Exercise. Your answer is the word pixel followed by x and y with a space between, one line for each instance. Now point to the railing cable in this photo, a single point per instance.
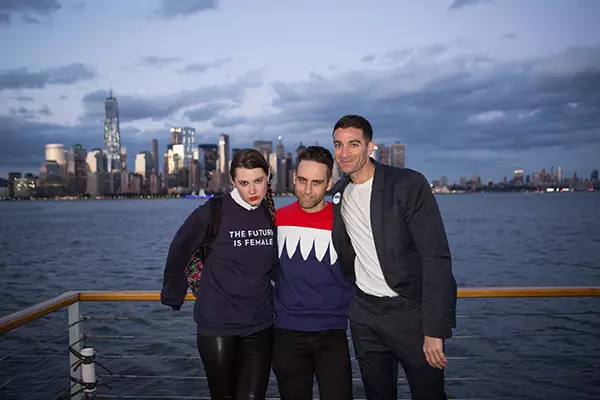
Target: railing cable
pixel 38 385
pixel 24 372
pixel 109 396
pixel 455 337
pixel 548 314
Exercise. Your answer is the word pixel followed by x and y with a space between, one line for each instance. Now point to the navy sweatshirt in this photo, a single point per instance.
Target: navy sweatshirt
pixel 235 291
pixel 311 293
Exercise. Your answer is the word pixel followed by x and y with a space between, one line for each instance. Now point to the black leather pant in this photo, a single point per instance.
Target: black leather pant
pixel 237 367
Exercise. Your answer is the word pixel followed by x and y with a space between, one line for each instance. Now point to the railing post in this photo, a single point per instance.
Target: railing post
pixel 75 336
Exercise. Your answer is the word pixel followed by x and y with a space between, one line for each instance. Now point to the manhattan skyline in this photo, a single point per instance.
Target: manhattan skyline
pixel 471 87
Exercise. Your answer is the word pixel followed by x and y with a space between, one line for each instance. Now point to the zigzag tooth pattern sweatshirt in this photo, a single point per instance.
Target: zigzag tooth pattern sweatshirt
pixel 311 293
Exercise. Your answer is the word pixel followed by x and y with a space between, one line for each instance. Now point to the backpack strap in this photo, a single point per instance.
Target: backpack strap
pixel 212 229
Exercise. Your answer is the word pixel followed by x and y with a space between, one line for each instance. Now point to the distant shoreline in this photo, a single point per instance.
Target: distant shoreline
pixel 118 197
pixel 172 197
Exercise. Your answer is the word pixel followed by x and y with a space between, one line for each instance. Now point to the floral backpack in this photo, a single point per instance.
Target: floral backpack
pixel 193 271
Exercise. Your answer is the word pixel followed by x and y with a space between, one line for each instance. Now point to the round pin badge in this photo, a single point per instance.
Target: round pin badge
pixel 337 197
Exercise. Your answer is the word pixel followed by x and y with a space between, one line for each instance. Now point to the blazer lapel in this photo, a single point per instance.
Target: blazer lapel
pixel 377 212
pixel 337 200
pixel 337 195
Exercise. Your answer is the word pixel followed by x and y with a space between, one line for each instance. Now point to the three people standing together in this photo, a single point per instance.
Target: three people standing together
pixel 377 255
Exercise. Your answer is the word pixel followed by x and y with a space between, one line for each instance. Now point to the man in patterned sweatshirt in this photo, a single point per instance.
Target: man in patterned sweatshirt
pixel 311 294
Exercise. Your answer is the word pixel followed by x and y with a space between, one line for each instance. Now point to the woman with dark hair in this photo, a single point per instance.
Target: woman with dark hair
pixel 234 299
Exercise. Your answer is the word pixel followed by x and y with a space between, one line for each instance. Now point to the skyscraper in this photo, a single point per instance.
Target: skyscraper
pixel 384 154
pixel 559 175
pixel 56 152
pixel 143 165
pixel 176 137
pixel 299 150
pixel 279 148
pixel 189 137
pixel 376 155
pixel 186 137
pixel 209 166
pixel 279 167
pixel 96 161
pixel 155 156
pixel 112 134
pixel 397 155
pixel 123 159
pixel 211 156
pixel 274 164
pixel 263 146
pixel 224 159
pixel 77 167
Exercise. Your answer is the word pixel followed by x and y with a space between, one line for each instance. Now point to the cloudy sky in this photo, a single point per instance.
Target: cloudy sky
pixel 470 86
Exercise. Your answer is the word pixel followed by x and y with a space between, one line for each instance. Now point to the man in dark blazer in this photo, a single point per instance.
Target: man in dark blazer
pixel 391 241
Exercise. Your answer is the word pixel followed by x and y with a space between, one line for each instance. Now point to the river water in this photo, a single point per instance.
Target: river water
pixel 48 248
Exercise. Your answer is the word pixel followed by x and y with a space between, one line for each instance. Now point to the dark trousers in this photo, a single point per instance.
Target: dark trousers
pixel 385 332
pixel 237 367
pixel 298 356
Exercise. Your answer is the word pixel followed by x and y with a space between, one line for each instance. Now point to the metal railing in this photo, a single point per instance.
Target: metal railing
pixel 80 388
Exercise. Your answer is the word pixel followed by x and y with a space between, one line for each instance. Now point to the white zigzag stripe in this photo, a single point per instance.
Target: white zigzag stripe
pixel 320 239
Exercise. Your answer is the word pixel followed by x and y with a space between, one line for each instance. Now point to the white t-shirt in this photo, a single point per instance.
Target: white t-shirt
pixel 356 213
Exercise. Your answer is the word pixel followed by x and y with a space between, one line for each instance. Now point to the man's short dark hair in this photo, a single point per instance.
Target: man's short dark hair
pixel 356 122
pixel 317 154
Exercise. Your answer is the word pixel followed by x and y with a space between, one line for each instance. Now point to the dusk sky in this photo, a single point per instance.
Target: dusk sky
pixel 470 86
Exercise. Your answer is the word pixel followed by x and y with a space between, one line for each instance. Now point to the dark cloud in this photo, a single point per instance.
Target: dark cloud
pixel 24 112
pixel 203 67
pixel 22 78
pixel 26 151
pixel 42 7
pixel 158 62
pixel 468 97
pixel 29 114
pixel 132 108
pixel 80 7
pixel 368 58
pixel 5 19
pixel 457 4
pixel 207 112
pixel 396 56
pixel 459 115
pixel 30 19
pixel 26 135
pixel 227 122
pixel 183 8
pixel 467 106
pixel 29 10
pixel 24 98
pixel 45 110
pixel 251 79
pixel 429 51
pixel 508 36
